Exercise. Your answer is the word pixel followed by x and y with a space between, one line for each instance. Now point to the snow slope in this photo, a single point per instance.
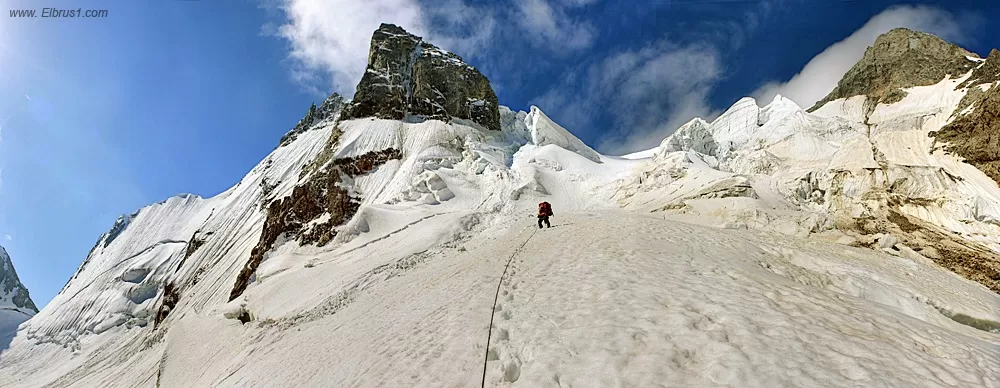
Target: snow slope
pixel 104 314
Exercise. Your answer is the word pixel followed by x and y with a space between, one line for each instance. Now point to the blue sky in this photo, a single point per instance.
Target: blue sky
pixel 100 117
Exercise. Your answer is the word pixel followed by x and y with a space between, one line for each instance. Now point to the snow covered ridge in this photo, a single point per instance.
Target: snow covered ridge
pixel 376 245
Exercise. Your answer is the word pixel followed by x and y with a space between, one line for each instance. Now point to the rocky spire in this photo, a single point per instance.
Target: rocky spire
pixel 327 111
pixel 13 294
pixel 407 76
pixel 901 59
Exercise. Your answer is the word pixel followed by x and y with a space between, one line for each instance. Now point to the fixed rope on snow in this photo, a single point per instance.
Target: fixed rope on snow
pixel 497 297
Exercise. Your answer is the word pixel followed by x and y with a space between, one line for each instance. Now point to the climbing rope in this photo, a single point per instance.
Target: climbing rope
pixel 497 297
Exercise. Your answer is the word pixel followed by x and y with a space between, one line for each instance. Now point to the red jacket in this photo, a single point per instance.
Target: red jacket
pixel 544 209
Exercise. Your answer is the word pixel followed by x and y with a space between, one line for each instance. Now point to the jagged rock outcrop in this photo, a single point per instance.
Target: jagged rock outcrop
pixel 900 59
pixel 987 73
pixel 974 136
pixel 327 111
pixel 171 296
pixel 407 76
pixel 13 294
pixel 324 193
pixel 973 261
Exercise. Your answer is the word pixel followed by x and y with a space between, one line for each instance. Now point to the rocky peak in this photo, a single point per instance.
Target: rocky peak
pixel 987 73
pixel 972 133
pixel 901 59
pixel 407 76
pixel 328 110
pixel 12 292
pixel 120 224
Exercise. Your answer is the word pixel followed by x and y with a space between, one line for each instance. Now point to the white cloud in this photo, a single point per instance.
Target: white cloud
pixel 8 237
pixel 656 90
pixel 459 27
pixel 648 94
pixel 820 75
pixel 579 3
pixel 549 26
pixel 329 39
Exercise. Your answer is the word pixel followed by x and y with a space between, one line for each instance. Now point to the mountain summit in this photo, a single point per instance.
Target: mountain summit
pixel 408 76
pixel 14 294
pixel 900 59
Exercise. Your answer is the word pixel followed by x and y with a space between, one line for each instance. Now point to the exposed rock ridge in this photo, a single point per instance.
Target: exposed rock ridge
pixel 407 76
pixel 327 192
pixel 328 111
pixel 973 136
pixel 901 59
pixel 987 73
pixel 12 292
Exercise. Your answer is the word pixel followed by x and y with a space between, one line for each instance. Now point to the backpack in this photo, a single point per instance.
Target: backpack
pixel 544 209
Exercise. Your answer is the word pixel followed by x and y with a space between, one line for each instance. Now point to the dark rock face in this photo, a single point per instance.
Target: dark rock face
pixel 409 77
pixel 120 224
pixel 900 59
pixel 171 296
pixel 328 110
pixel 11 289
pixel 976 136
pixel 972 261
pixel 987 73
pixel 192 246
pixel 324 193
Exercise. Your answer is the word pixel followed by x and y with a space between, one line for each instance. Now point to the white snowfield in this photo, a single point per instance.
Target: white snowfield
pixel 635 285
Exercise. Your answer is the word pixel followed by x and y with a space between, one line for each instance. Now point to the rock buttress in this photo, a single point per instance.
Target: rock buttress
pixel 407 76
pixel 325 192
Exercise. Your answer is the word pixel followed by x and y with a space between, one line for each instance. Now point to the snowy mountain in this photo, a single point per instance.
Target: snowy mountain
pixel 389 240
pixel 886 159
pixel 15 304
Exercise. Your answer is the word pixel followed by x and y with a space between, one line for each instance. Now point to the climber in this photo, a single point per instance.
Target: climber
pixel 544 212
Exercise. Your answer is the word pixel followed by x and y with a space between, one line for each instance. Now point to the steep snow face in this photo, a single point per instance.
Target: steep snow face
pixel 124 274
pixel 544 132
pixel 185 247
